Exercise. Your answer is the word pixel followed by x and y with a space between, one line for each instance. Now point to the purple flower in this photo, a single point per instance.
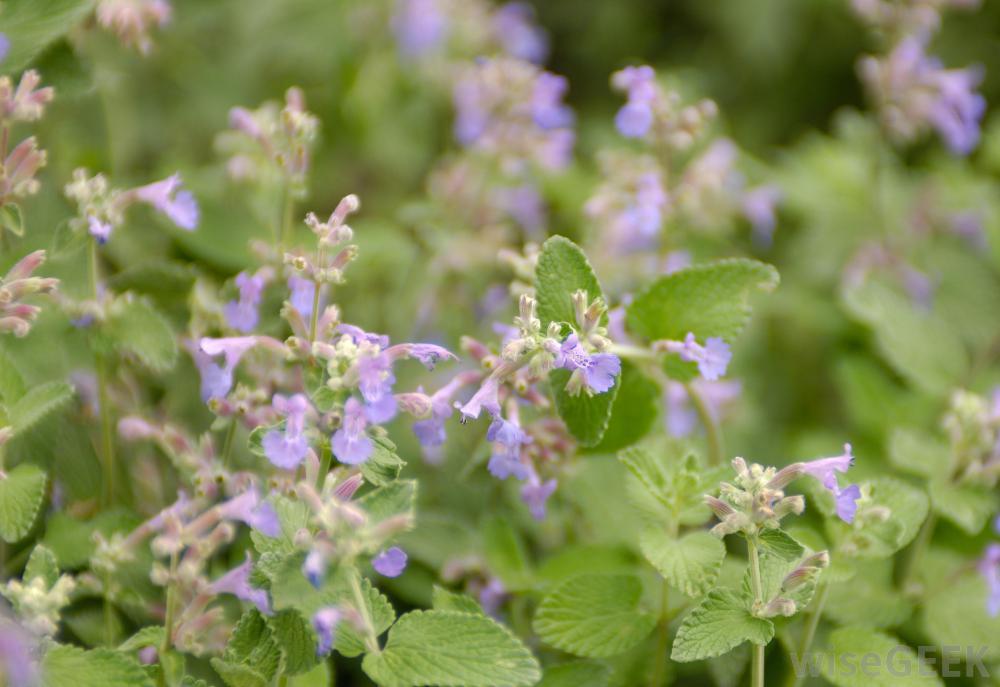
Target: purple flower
pixel 16 654
pixel 492 595
pixel 507 438
pixel 359 335
pixel 351 444
pixel 514 27
pixel 382 410
pixel 301 298
pixel 420 26
pixel 167 196
pixel 287 449
pixel 248 508
pixel 314 568
pixel 599 369
pixel 635 117
pixel 427 354
pixel 846 502
pixel 681 418
pixel 989 567
pixel 325 623
pixel 547 108
pixel 430 432
pixel 957 111
pixel 535 493
pixel 996 525
pixel 485 398
pixel 101 231
pixel 712 358
pixel 4 46
pixel 390 563
pixel 825 470
pixel 525 206
pixel 237 583
pixel 217 380
pixel 758 207
pixel 242 314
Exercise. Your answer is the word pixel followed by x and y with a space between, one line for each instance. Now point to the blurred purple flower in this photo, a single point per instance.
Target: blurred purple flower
pixel 507 438
pixel 242 314
pixel 217 380
pixel 237 583
pixel 4 46
pixel 515 28
pixel 301 296
pixel 351 443
pixel 712 358
pixel 989 567
pixel 167 196
pixel 635 117
pixel 759 208
pixel 535 493
pixel 325 623
pixel 420 26
pixel 286 449
pixel 390 563
pixel 251 510
pixel 100 230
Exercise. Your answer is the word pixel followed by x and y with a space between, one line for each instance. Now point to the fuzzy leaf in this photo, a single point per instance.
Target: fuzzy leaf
pixel 349 642
pixel 396 498
pixel 447 600
pixel 505 554
pixel 778 543
pixel 151 635
pixel 384 465
pixel 968 506
pixel 252 656
pixel 39 402
pixel 32 26
pixel 137 328
pixel 633 410
pixel 42 563
pixel 919 453
pixel 451 649
pixel 956 615
pixel 594 616
pixel 576 674
pixel 690 563
pixel 296 639
pixel 717 625
pixel 22 492
pixel 65 666
pixel 709 300
pixel 587 417
pixel 868 658
pixel 562 270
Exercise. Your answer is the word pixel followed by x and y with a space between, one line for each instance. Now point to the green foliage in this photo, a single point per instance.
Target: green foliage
pixel 587 416
pixel 716 626
pixel 136 328
pixel 634 409
pixel 22 492
pixel 252 657
pixel 690 563
pixel 384 465
pixel 562 270
pixel 32 26
pixel 69 666
pixel 451 649
pixel 42 563
pixel 594 616
pixel 889 662
pixel 38 403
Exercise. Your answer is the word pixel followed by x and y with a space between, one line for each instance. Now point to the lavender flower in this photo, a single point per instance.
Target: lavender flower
pixel 4 46
pixel 17 647
pixel 525 206
pixel 167 196
pixel 598 369
pixel 507 438
pixel 325 623
pixel 314 567
pixel 249 509
pixel 485 398
pixel 825 470
pixel 390 563
pixel 237 583
pixel 758 207
pixel 301 297
pixel 101 231
pixel 351 444
pixel 242 314
pixel 712 358
pixel 287 448
pixel 217 380
pixel 420 26
pixel 515 29
pixel 535 493
pixel 989 567
pixel 375 380
pixel 631 204
pixel 680 416
pixel 635 117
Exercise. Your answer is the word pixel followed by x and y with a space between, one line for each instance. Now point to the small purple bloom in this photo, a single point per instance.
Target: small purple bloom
pixel 217 380
pixel 847 502
pixel 535 493
pixel 989 567
pixel 237 583
pixel 351 444
pixel 547 108
pixel 382 410
pixel 599 369
pixel 101 231
pixel 485 398
pixel 525 206
pixel 758 207
pixel 359 335
pixel 167 196
pixel 4 46
pixel 250 509
pixel 242 314
pixel 427 354
pixel 17 648
pixel 635 117
pixel 301 297
pixel 712 358
pixel 492 595
pixel 287 449
pixel 420 26
pixel 514 27
pixel 325 623
pixel 314 568
pixel 825 469
pixel 390 563
pixel 507 438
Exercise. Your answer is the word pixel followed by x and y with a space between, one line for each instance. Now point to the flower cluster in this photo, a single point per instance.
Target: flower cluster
pixel 133 20
pixel 16 315
pixel 24 103
pixel 973 425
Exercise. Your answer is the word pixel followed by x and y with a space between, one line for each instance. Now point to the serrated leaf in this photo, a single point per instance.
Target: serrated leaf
pixel 919 453
pixel 576 674
pixel 633 411
pixel 918 345
pixel 562 270
pixel 12 386
pixel 968 506
pixel 594 616
pixel 349 641
pixel 31 26
pixel 395 499
pixel 451 649
pixel 42 563
pixel 862 657
pixel 780 544
pixel 69 666
pixel 690 563
pixel 586 416
pixel 384 465
pixel 708 300
pixel 908 506
pixel 252 656
pixel 39 402
pixel 151 635
pixel 720 623
pixel 297 640
pixel 447 600
pixel 136 327
pixel 22 492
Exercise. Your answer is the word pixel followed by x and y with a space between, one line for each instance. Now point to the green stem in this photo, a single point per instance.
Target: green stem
pixel 288 207
pixel 712 429
pixel 917 553
pixel 324 464
pixel 812 622
pixel 659 673
pixel 758 594
pixel 168 620
pixel 107 610
pixel 227 446
pixel 103 399
pixel 371 641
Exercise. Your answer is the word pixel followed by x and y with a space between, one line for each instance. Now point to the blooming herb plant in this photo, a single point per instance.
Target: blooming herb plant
pixel 482 428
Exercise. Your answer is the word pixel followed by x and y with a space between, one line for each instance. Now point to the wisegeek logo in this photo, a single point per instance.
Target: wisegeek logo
pixel 900 661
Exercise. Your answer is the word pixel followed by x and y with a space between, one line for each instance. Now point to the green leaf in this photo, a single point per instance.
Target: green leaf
pixel 561 271
pixel 918 345
pixel 780 544
pixel 968 506
pixel 22 491
pixel 42 563
pixel 384 465
pixel 297 640
pixel 919 453
pixel 39 402
pixel 955 614
pixel 395 499
pixel 252 656
pixel 447 600
pixel 349 641
pixel 868 598
pixel 708 300
pixel 32 25
pixel 691 563
pixel 861 657
pixel 717 625
pixel 633 411
pixel 576 674
pixel 69 666
pixel 451 649
pixel 587 416
pixel 12 386
pixel 505 554
pixel 136 327
pixel 11 219
pixel 72 540
pixel 594 616
pixel 151 635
